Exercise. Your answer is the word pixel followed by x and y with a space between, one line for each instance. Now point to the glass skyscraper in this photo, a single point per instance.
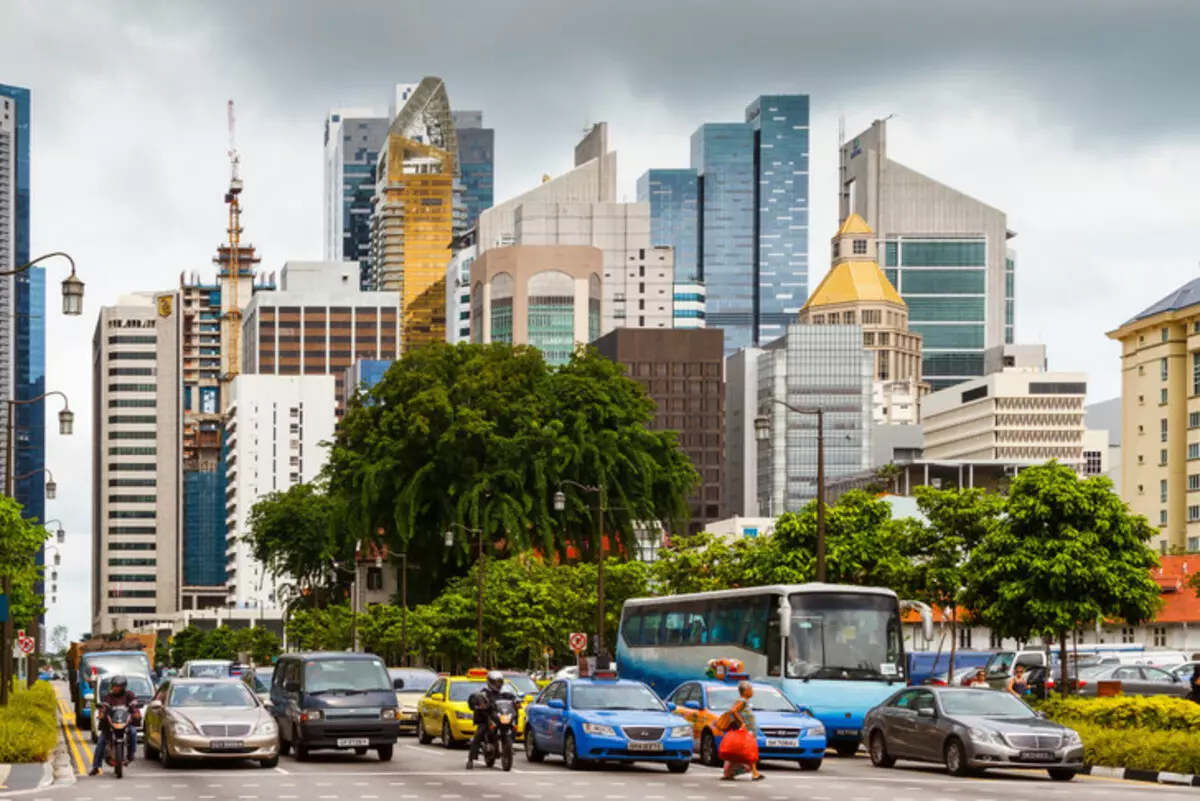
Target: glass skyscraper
pixel 780 125
pixel 476 163
pixel 352 146
pixel 674 198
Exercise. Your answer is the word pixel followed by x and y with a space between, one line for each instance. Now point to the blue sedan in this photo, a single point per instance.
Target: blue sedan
pixel 785 732
pixel 605 719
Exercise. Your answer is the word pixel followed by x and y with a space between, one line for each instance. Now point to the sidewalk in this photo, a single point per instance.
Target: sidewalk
pixel 18 780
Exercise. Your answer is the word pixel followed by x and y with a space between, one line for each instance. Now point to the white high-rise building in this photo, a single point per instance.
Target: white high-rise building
pixel 275 425
pixel 458 290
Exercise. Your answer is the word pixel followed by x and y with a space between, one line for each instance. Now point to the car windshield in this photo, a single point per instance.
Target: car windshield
pixel 1096 670
pixel 523 683
pixel 414 680
pixel 222 694
pixel 462 690
pixel 984 702
pixel 844 635
pixel 262 680
pixel 766 699
pixel 346 675
pixel 632 697
pixel 140 686
pixel 212 670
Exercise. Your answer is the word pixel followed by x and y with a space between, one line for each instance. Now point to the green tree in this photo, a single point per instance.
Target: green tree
pixel 1068 553
pixel 218 644
pixel 186 645
pixel 700 563
pixel 259 642
pixel 301 533
pixel 321 629
pixel 20 540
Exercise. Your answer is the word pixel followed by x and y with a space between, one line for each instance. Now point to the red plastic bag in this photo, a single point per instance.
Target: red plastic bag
pixel 739 746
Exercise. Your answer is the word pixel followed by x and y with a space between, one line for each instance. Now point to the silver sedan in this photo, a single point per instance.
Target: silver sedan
pixel 209 719
pixel 968 730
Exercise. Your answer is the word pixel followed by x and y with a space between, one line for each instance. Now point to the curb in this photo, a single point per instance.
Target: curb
pixel 60 770
pixel 1150 776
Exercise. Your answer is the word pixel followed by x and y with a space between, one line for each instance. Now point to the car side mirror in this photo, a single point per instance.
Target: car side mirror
pixel 556 703
pixel 805 711
pixel 672 706
pixel 1039 714
pixel 529 698
pixel 292 686
pixel 926 712
pixel 693 705
pixel 398 684
pixel 437 697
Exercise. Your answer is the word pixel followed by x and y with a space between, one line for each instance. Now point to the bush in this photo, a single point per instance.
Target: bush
pixel 1157 713
pixel 1140 749
pixel 29 724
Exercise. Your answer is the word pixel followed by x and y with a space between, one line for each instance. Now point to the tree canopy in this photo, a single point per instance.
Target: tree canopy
pixel 20 541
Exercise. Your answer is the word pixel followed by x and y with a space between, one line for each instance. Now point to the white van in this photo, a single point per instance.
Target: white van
pixel 1161 659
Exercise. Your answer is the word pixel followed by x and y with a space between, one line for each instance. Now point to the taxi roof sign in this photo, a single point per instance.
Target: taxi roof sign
pixel 735 677
pixel 477 673
pixel 604 674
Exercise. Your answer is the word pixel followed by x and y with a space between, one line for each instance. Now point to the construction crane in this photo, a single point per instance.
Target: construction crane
pixel 233 313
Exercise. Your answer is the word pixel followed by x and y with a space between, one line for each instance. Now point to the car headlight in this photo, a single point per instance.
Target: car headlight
pixel 1073 737
pixel 408 710
pixel 464 716
pixel 984 736
pixel 816 731
pixel 599 730
pixel 183 727
pixel 310 715
pixel 267 727
pixel 388 713
pixel 681 731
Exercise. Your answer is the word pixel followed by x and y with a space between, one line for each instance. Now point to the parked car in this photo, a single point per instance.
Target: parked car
pixel 1185 670
pixel 944 679
pixel 969 730
pixel 1135 680
pixel 209 719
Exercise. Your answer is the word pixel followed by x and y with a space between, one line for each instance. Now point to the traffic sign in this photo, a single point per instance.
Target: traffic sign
pixel 26 645
pixel 578 641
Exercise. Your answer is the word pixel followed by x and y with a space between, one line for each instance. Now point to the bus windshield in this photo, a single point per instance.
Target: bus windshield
pixel 844 635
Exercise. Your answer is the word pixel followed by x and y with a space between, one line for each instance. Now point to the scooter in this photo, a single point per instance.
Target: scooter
pixel 120 718
pixel 502 724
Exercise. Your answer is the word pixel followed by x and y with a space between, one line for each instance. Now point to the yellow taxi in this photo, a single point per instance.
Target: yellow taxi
pixel 443 713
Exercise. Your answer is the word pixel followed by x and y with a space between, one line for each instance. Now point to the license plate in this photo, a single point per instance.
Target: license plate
pixel 845 732
pixel 783 743
pixel 354 742
pixel 226 745
pixel 645 746
pixel 1038 756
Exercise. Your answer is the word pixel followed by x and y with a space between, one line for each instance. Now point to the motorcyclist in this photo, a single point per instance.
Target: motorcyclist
pixel 482 703
pixel 118 695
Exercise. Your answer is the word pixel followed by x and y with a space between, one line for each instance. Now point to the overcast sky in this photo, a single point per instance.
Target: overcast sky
pixel 1079 118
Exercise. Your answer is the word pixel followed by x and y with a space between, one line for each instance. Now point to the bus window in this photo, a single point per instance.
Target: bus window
pixel 774 653
pixel 674 628
pixel 651 618
pixel 758 613
pixel 728 620
pixel 696 631
pixel 631 627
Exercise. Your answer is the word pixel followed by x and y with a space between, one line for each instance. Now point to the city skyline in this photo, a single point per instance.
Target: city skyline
pixel 152 207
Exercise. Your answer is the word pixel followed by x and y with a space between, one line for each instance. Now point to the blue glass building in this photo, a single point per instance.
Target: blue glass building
pixel 353 145
pixel 780 125
pixel 476 163
pixel 674 198
pixel 723 157
pixel 365 374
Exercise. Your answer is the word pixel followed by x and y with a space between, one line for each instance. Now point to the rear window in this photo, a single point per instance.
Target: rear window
pixel 210 671
pixel 346 675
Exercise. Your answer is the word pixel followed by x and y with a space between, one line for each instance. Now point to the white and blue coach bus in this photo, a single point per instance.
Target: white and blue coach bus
pixel 844 645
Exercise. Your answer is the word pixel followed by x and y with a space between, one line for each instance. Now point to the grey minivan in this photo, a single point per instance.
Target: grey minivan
pixel 334 700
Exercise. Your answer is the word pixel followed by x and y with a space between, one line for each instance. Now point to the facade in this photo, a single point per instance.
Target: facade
pixel 458 289
pixel 812 367
pixel 741 448
pixel 353 139
pixel 682 372
pixel 547 296
pixel 639 280
pixel 1160 416
pixel 318 323
pixel 1023 357
pixel 946 253
pixel 673 197
pixel 856 292
pixel 413 222
pixel 365 374
pixel 691 305
pixel 136 460
pixel 476 163
pixel 275 427
pixel 1105 417
pixel 1016 415
pixel 733 528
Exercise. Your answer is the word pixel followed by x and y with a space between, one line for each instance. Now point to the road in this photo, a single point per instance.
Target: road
pixel 428 773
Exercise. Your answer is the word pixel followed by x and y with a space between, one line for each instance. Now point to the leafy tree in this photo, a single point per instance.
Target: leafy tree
pixel 261 643
pixel 218 644
pixel 20 540
pixel 301 533
pixel 186 645
pixel 321 628
pixel 701 563
pixel 1068 553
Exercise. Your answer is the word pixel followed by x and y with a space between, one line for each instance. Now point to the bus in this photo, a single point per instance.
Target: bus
pixel 844 645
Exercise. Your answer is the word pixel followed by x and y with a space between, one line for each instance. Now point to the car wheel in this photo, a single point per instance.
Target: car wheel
pixel 956 758
pixel 810 764
pixel 164 756
pixel 1061 774
pixel 708 750
pixel 879 752
pixel 447 735
pixel 680 766
pixel 845 750
pixel 273 762
pixel 386 752
pixel 150 751
pixel 532 752
pixel 422 736
pixel 570 755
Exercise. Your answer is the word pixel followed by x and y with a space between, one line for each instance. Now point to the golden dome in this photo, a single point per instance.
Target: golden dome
pixel 853 282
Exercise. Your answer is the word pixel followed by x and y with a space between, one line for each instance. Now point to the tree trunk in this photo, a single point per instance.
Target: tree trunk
pixel 953 642
pixel 1062 658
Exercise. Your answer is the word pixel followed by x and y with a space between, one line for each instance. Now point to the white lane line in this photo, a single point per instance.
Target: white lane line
pixel 166 798
pixel 282 772
pixel 178 786
pixel 451 796
pixel 490 795
pixel 206 797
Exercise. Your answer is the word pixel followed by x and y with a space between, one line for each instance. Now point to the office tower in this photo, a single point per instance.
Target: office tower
pixel 364 374
pixel 22 308
pixel 682 372
pixel 673 198
pixel 476 163
pixel 811 367
pixel 458 289
pixel 1160 416
pixel 856 292
pixel 741 447
pixel 277 428
pixel 946 253
pixel 413 224
pixel 318 322
pixel 548 296
pixel 353 139
pixel 136 461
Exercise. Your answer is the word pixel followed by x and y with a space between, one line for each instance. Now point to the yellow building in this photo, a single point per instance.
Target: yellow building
pixel 412 224
pixel 1160 416
pixel 856 292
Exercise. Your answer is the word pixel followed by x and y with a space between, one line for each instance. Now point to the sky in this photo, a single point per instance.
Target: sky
pixel 1079 118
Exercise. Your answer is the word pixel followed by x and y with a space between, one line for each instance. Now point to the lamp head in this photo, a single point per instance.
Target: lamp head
pixel 762 428
pixel 72 295
pixel 560 501
pixel 449 538
pixel 51 490
pixel 66 422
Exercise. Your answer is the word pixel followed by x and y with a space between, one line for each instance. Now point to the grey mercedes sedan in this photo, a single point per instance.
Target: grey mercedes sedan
pixel 968 730
pixel 209 719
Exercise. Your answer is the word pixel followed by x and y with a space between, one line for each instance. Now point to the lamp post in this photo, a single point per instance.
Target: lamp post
pixel 60 536
pixel 72 287
pixel 560 503
pixel 479 600
pixel 762 432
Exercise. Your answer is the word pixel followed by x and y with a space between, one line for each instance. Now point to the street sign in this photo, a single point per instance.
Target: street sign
pixel 26 645
pixel 3 608
pixel 578 642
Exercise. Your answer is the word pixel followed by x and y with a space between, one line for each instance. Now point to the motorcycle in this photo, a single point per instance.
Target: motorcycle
pixel 120 718
pixel 502 726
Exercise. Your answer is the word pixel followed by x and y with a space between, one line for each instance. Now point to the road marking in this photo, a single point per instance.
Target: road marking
pixel 206 797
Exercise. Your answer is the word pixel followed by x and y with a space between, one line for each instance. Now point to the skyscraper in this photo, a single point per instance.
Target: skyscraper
pixel 674 198
pixel 946 253
pixel 476 163
pixel 353 138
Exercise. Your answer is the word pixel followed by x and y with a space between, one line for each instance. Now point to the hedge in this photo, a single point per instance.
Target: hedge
pixel 1157 713
pixel 1141 749
pixel 29 724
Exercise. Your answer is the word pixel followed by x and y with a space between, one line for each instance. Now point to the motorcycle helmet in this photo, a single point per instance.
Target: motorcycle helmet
pixel 495 680
pixel 119 684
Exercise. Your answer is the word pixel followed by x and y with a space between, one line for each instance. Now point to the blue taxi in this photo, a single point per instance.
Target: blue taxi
pixel 785 732
pixel 604 718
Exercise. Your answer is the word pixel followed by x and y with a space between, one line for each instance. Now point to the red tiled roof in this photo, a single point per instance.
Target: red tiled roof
pixel 1180 604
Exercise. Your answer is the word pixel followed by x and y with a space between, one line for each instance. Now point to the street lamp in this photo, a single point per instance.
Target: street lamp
pixel 479 600
pixel 72 287
pixel 66 422
pixel 560 503
pixel 762 433
pixel 60 535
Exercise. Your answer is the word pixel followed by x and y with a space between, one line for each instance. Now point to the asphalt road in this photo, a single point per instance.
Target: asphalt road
pixel 428 773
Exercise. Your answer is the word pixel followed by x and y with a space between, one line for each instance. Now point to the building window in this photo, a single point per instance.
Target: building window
pixel 501 322
pixel 860 247
pixel 1162 456
pixel 1196 373
pixel 1162 426
pixel 1193 419
pixel 1166 334
pixel 1091 463
pixel 1163 370
pixel 1141 369
pixel 1196 327
pixel 1162 517
pixel 1193 544
pixel 1194 450
pixel 1162 490
pixel 835 318
pixel 374 578
pixel 1193 514
pixel 1160 632
pixel 1127 634
pixel 995 642
pixel 1194 482
pixel 964 637
pixel 551 315
pixel 1162 396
